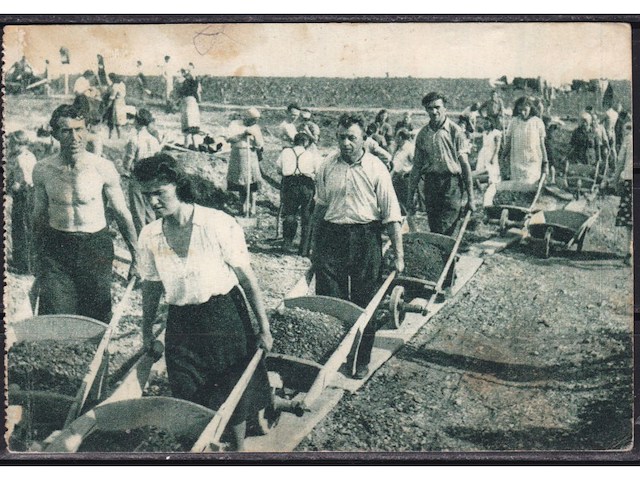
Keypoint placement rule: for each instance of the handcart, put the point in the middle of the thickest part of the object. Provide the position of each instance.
(430, 284)
(560, 228)
(507, 214)
(43, 411)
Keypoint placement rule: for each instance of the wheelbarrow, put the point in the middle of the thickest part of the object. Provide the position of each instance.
(560, 228)
(118, 423)
(582, 179)
(41, 411)
(507, 214)
(433, 280)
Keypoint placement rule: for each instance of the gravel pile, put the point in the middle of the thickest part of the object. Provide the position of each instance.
(423, 259)
(518, 199)
(145, 439)
(158, 386)
(306, 334)
(53, 366)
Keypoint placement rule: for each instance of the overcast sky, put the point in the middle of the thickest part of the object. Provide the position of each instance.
(559, 52)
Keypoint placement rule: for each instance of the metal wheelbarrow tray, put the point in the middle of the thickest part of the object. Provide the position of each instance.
(40, 410)
(36, 411)
(508, 215)
(436, 275)
(163, 424)
(560, 228)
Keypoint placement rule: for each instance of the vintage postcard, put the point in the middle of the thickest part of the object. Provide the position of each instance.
(318, 238)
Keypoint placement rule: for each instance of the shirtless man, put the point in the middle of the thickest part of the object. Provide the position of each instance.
(74, 250)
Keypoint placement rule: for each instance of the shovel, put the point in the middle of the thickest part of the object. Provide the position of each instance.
(247, 221)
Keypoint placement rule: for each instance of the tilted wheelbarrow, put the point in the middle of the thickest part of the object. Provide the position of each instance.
(580, 179)
(125, 424)
(560, 228)
(428, 277)
(36, 411)
(509, 213)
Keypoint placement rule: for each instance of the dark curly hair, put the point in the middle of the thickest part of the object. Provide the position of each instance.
(346, 120)
(433, 96)
(76, 111)
(164, 168)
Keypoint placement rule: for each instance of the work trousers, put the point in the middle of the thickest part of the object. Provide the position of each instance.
(141, 211)
(443, 201)
(348, 264)
(297, 196)
(75, 274)
(21, 230)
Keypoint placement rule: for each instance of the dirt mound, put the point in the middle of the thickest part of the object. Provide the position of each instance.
(306, 334)
(53, 366)
(145, 439)
(518, 199)
(424, 260)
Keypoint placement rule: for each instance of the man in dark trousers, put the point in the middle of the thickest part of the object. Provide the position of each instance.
(74, 250)
(441, 161)
(298, 166)
(355, 201)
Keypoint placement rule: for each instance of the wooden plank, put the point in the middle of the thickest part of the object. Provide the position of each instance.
(291, 430)
(388, 342)
(494, 245)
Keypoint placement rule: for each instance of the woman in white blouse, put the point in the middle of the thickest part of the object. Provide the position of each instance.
(198, 258)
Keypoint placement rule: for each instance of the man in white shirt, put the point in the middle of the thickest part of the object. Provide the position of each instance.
(355, 201)
(288, 128)
(298, 166)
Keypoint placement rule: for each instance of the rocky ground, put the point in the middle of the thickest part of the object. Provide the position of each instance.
(532, 354)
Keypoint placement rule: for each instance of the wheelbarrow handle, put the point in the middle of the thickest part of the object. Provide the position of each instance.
(210, 436)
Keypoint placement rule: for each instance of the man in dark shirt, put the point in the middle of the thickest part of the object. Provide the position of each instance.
(441, 161)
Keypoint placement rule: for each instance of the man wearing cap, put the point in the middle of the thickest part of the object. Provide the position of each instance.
(298, 167)
(142, 145)
(288, 128)
(74, 250)
(440, 159)
(245, 138)
(355, 201)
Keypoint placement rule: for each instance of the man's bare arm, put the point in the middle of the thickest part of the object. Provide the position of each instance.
(394, 230)
(40, 213)
(468, 180)
(114, 194)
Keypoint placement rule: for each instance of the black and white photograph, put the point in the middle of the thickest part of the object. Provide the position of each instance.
(290, 238)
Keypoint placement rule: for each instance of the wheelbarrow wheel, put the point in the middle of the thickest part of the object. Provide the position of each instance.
(263, 421)
(395, 305)
(546, 253)
(504, 219)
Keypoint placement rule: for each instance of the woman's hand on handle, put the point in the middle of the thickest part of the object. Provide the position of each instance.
(265, 340)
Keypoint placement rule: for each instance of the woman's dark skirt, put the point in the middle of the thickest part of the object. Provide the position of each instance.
(208, 347)
(625, 211)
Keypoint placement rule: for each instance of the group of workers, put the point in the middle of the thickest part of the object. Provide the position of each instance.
(197, 257)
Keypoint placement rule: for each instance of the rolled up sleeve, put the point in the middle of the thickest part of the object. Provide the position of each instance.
(387, 199)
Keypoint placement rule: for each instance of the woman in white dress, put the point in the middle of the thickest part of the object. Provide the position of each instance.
(488, 161)
(524, 144)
